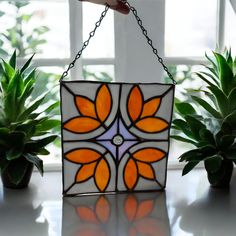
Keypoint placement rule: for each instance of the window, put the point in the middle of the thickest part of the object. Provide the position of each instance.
(55, 29)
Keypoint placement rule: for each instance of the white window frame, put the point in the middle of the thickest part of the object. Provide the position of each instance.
(76, 40)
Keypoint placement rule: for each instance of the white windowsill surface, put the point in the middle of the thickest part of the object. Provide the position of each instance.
(188, 207)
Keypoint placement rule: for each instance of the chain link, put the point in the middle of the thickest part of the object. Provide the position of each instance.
(85, 44)
(144, 31)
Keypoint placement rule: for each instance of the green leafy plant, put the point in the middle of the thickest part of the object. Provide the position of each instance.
(28, 42)
(103, 76)
(16, 37)
(209, 121)
(25, 125)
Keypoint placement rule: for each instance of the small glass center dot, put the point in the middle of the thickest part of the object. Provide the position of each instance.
(118, 140)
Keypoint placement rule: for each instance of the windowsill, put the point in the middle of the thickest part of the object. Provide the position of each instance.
(187, 207)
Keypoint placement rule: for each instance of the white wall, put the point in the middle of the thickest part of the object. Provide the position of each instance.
(135, 61)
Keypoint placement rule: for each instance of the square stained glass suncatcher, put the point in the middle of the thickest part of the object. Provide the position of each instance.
(115, 136)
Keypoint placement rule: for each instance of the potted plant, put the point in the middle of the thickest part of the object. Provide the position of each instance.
(25, 125)
(209, 121)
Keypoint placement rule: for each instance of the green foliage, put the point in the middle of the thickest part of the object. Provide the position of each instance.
(103, 76)
(25, 125)
(209, 122)
(29, 42)
(17, 38)
(24, 44)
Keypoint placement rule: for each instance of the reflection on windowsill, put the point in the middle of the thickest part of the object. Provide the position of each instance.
(202, 210)
(119, 215)
(19, 217)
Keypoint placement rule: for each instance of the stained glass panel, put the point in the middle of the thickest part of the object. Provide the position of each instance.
(115, 136)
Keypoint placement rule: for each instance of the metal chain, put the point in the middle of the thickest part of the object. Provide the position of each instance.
(85, 44)
(149, 41)
(144, 31)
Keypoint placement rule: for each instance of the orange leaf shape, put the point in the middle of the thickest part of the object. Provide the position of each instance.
(85, 172)
(103, 103)
(82, 124)
(135, 103)
(83, 156)
(102, 175)
(152, 125)
(103, 209)
(151, 107)
(86, 214)
(130, 174)
(85, 106)
(149, 155)
(144, 209)
(131, 206)
(145, 170)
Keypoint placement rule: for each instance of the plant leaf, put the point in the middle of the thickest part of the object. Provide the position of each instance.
(47, 125)
(52, 107)
(189, 167)
(221, 98)
(213, 77)
(230, 153)
(229, 58)
(192, 155)
(232, 99)
(182, 139)
(195, 126)
(207, 107)
(12, 61)
(36, 161)
(226, 128)
(35, 146)
(31, 109)
(185, 108)
(14, 153)
(231, 119)
(211, 60)
(9, 71)
(182, 125)
(204, 79)
(226, 141)
(207, 136)
(26, 65)
(226, 74)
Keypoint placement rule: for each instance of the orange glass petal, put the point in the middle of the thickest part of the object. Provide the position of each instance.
(135, 103)
(130, 174)
(131, 206)
(82, 125)
(83, 155)
(149, 155)
(145, 170)
(103, 103)
(151, 107)
(102, 175)
(87, 214)
(152, 125)
(144, 209)
(103, 209)
(85, 106)
(85, 172)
